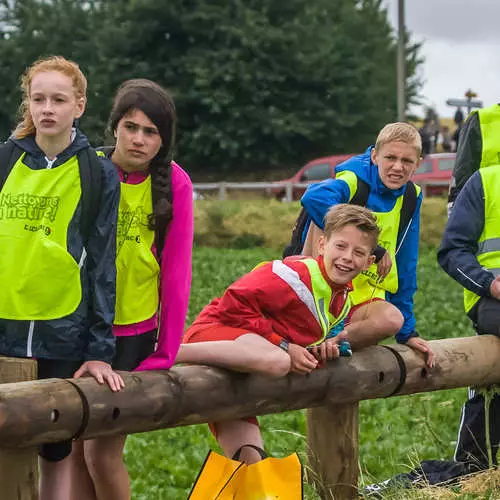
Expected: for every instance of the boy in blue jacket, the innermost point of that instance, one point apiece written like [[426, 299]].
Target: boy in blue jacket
[[383, 295]]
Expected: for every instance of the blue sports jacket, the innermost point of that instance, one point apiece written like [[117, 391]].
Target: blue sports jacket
[[318, 198]]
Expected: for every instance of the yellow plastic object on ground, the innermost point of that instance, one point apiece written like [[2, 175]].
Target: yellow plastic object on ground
[[221, 478]]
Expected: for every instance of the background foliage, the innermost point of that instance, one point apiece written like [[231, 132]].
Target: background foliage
[[267, 223], [258, 83]]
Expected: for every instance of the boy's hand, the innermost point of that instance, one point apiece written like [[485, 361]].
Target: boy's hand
[[327, 350], [102, 372], [384, 266], [495, 288], [303, 361], [422, 345]]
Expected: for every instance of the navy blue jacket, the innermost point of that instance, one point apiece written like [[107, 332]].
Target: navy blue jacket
[[457, 254], [85, 334], [320, 197]]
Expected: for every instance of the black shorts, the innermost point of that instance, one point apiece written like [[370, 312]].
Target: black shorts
[[56, 368], [132, 350]]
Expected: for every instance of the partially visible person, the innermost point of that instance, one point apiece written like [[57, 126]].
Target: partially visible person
[[478, 147], [154, 245], [383, 295], [426, 136], [57, 299], [459, 121], [470, 254], [265, 321], [446, 140]]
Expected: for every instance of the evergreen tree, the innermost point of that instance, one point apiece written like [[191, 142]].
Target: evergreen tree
[[257, 83]]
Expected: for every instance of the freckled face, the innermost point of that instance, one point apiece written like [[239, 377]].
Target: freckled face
[[53, 104]]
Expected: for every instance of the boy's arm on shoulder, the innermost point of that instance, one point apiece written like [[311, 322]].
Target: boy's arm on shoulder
[[319, 197], [406, 261], [311, 243], [101, 268]]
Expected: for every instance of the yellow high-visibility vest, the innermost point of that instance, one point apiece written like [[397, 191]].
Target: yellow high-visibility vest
[[488, 252], [367, 284], [137, 270], [40, 279], [317, 301], [489, 122]]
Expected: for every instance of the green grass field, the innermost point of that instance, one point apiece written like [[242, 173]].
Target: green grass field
[[395, 433]]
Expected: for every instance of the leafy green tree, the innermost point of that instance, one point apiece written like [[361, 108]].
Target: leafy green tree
[[257, 83], [33, 29]]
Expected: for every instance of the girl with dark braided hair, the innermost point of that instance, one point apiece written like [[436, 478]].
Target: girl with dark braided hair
[[154, 245]]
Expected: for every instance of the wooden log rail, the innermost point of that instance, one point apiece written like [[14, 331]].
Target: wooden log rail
[[51, 410]]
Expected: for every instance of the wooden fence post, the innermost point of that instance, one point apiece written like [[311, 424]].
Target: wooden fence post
[[222, 191], [19, 466], [332, 449]]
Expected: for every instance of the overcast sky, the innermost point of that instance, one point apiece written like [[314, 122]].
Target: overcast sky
[[461, 47]]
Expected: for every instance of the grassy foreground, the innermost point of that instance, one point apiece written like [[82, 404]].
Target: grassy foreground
[[395, 433]]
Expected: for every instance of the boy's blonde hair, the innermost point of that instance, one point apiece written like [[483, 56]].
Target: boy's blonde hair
[[53, 63], [342, 215], [399, 131]]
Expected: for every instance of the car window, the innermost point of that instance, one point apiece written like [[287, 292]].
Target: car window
[[446, 164], [317, 172], [424, 167]]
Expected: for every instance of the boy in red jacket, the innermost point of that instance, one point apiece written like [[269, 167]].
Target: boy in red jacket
[[279, 318]]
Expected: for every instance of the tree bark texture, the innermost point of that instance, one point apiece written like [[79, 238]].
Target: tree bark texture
[[53, 410], [332, 450]]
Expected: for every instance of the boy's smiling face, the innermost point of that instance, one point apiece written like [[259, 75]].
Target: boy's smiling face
[[346, 253]]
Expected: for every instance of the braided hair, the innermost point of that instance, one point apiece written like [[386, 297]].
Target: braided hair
[[157, 104]]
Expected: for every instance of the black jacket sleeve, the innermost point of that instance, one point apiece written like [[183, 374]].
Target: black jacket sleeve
[[101, 267], [457, 254], [468, 159]]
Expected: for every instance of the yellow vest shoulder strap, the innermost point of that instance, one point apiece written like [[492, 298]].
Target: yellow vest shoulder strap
[[489, 122]]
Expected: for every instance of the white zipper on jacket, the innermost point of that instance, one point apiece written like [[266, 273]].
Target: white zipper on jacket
[[29, 345], [50, 162], [82, 258]]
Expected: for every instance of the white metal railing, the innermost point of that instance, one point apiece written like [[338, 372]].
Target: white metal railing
[[273, 188]]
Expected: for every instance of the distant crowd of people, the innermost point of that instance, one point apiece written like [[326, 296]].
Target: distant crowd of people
[[434, 135]]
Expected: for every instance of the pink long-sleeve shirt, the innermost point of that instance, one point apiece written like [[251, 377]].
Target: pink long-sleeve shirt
[[175, 274]]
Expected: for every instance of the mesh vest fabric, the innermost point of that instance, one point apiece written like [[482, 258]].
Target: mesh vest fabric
[[318, 300], [488, 253], [40, 279], [489, 122], [137, 270]]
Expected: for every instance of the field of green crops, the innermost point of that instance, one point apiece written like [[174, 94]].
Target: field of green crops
[[394, 433]]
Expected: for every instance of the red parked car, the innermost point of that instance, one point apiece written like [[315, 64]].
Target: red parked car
[[435, 168], [314, 171]]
